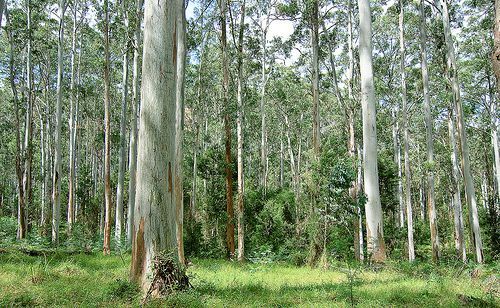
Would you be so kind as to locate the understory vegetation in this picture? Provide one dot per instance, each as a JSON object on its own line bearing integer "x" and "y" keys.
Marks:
{"x": 58, "y": 278}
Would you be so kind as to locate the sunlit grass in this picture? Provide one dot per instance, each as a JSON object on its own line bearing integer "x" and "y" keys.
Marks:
{"x": 95, "y": 280}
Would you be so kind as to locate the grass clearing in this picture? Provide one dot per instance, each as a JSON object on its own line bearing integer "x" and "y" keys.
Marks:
{"x": 92, "y": 280}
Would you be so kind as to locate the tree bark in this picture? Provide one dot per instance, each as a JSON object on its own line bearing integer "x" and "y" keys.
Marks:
{"x": 373, "y": 208}
{"x": 72, "y": 127}
{"x": 227, "y": 129}
{"x": 469, "y": 183}
{"x": 154, "y": 230}
{"x": 179, "y": 126}
{"x": 107, "y": 136}
{"x": 241, "y": 217}
{"x": 315, "y": 77}
{"x": 409, "y": 212}
{"x": 455, "y": 191}
{"x": 56, "y": 186}
{"x": 495, "y": 121}
{"x": 133, "y": 123}
{"x": 122, "y": 160}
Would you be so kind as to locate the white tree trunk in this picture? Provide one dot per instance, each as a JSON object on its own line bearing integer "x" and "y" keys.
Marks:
{"x": 133, "y": 123}
{"x": 456, "y": 199}
{"x": 179, "y": 126}
{"x": 122, "y": 159}
{"x": 373, "y": 208}
{"x": 409, "y": 211}
{"x": 154, "y": 229}
{"x": 56, "y": 186}
{"x": 469, "y": 183}
{"x": 315, "y": 77}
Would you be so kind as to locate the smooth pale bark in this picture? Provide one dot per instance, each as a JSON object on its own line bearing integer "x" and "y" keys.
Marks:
{"x": 239, "y": 124}
{"x": 154, "y": 228}
{"x": 56, "y": 183}
{"x": 409, "y": 212}
{"x": 21, "y": 224}
{"x": 107, "y": 135}
{"x": 72, "y": 127}
{"x": 315, "y": 76}
{"x": 133, "y": 122}
{"x": 464, "y": 147}
{"x": 495, "y": 121}
{"x": 227, "y": 129}
{"x": 431, "y": 208}
{"x": 373, "y": 208}
{"x": 263, "y": 128}
{"x": 122, "y": 159}
{"x": 455, "y": 190}
{"x": 179, "y": 126}
{"x": 28, "y": 135}
{"x": 397, "y": 162}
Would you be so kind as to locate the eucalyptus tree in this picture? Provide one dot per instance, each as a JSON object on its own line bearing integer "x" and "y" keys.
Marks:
{"x": 56, "y": 184}
{"x": 154, "y": 229}
{"x": 373, "y": 208}
{"x": 107, "y": 135}
{"x": 464, "y": 147}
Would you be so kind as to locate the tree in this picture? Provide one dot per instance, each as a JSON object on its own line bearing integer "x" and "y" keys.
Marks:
{"x": 179, "y": 125}
{"x": 373, "y": 208}
{"x": 154, "y": 230}
{"x": 227, "y": 129}
{"x": 56, "y": 186}
{"x": 409, "y": 213}
{"x": 431, "y": 208}
{"x": 133, "y": 122}
{"x": 123, "y": 119}
{"x": 107, "y": 136}
{"x": 464, "y": 147}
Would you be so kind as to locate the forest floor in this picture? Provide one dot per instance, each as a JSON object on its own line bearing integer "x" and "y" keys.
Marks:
{"x": 62, "y": 279}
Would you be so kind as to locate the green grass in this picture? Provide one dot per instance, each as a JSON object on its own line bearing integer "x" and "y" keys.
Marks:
{"x": 59, "y": 279}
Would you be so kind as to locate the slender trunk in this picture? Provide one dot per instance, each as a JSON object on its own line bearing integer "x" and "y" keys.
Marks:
{"x": 72, "y": 127}
{"x": 133, "y": 123}
{"x": 179, "y": 126}
{"x": 154, "y": 230}
{"x": 2, "y": 8}
{"x": 464, "y": 147}
{"x": 227, "y": 128}
{"x": 315, "y": 77}
{"x": 122, "y": 160}
{"x": 282, "y": 157}
{"x": 455, "y": 190}
{"x": 107, "y": 136}
{"x": 373, "y": 208}
{"x": 241, "y": 226}
{"x": 21, "y": 225}
{"x": 56, "y": 183}
{"x": 495, "y": 120}
{"x": 263, "y": 132}
{"x": 409, "y": 212}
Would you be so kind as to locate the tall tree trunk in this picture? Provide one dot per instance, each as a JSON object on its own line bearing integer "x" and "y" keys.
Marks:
{"x": 179, "y": 126}
{"x": 122, "y": 160}
{"x": 56, "y": 183}
{"x": 315, "y": 76}
{"x": 28, "y": 134}
{"x": 154, "y": 228}
{"x": 373, "y": 208}
{"x": 107, "y": 136}
{"x": 429, "y": 137}
{"x": 136, "y": 97}
{"x": 21, "y": 225}
{"x": 72, "y": 128}
{"x": 495, "y": 121}
{"x": 455, "y": 189}
{"x": 409, "y": 212}
{"x": 397, "y": 161}
{"x": 227, "y": 128}
{"x": 241, "y": 217}
{"x": 469, "y": 183}
{"x": 263, "y": 128}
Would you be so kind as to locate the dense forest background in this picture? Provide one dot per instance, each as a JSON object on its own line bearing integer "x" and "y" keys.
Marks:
{"x": 271, "y": 120}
